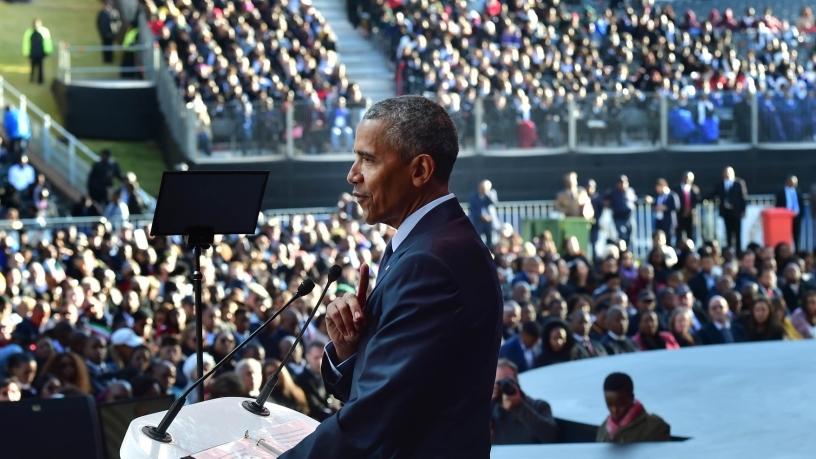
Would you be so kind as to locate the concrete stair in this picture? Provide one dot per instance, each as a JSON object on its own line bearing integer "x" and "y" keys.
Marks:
{"x": 365, "y": 63}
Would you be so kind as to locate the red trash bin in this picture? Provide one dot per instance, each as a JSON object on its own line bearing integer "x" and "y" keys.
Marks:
{"x": 777, "y": 226}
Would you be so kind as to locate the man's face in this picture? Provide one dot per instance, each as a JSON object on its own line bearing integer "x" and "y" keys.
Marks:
{"x": 717, "y": 310}
{"x": 618, "y": 404}
{"x": 529, "y": 340}
{"x": 313, "y": 358}
{"x": 582, "y": 324}
{"x": 96, "y": 350}
{"x": 381, "y": 180}
{"x": 617, "y": 323}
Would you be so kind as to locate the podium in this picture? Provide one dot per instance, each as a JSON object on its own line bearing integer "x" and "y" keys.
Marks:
{"x": 219, "y": 428}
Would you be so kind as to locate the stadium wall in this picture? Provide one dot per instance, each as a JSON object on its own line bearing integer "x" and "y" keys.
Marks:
{"x": 316, "y": 181}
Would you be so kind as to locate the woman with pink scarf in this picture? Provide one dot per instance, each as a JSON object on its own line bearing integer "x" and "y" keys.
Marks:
{"x": 628, "y": 421}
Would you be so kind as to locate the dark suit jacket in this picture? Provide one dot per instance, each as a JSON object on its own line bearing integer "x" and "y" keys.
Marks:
{"x": 421, "y": 381}
{"x": 581, "y": 351}
{"x": 699, "y": 287}
{"x": 512, "y": 351}
{"x": 709, "y": 334}
{"x": 734, "y": 201}
{"x": 669, "y": 221}
{"x": 782, "y": 200}
{"x": 694, "y": 196}
{"x": 614, "y": 346}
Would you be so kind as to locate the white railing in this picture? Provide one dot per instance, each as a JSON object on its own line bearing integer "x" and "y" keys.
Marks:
{"x": 66, "y": 154}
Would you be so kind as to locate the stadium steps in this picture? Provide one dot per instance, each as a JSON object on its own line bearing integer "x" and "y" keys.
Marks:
{"x": 365, "y": 64}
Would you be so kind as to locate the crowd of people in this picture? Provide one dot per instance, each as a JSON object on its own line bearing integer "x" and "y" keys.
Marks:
{"x": 238, "y": 63}
{"x": 529, "y": 60}
{"x": 106, "y": 311}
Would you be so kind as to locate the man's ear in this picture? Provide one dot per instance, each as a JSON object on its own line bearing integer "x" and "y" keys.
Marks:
{"x": 423, "y": 168}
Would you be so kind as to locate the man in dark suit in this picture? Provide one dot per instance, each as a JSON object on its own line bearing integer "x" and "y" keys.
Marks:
{"x": 665, "y": 207}
{"x": 790, "y": 198}
{"x": 689, "y": 197}
{"x": 311, "y": 381}
{"x": 721, "y": 330}
{"x": 615, "y": 340}
{"x": 414, "y": 363}
{"x": 733, "y": 196}
{"x": 703, "y": 283}
{"x": 585, "y": 347}
{"x": 523, "y": 349}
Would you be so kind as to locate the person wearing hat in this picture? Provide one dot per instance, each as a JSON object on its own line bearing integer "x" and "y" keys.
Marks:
{"x": 123, "y": 341}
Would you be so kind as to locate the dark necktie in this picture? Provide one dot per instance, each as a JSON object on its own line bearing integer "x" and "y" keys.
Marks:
{"x": 588, "y": 344}
{"x": 386, "y": 256}
{"x": 728, "y": 337}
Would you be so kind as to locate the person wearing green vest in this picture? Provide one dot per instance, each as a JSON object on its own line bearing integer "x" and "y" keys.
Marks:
{"x": 37, "y": 45}
{"x": 130, "y": 40}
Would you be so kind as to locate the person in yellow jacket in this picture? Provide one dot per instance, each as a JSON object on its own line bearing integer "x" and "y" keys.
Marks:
{"x": 129, "y": 42}
{"x": 37, "y": 45}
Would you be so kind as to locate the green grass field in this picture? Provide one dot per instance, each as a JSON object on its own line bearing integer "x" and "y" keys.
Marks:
{"x": 74, "y": 22}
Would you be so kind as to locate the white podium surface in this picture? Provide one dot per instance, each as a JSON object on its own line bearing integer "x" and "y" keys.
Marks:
{"x": 751, "y": 400}
{"x": 219, "y": 428}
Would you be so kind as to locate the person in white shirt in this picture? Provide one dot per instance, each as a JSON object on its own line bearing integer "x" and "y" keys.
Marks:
{"x": 21, "y": 175}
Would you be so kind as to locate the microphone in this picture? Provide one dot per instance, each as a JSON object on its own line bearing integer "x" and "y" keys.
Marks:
{"x": 257, "y": 407}
{"x": 159, "y": 433}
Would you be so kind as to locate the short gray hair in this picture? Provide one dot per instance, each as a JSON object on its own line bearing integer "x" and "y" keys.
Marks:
{"x": 415, "y": 125}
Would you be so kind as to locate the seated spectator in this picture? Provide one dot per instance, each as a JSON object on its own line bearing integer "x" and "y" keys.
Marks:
{"x": 286, "y": 392}
{"x": 615, "y": 340}
{"x": 250, "y": 372}
{"x": 628, "y": 421}
{"x": 804, "y": 317}
{"x": 311, "y": 381}
{"x": 100, "y": 371}
{"x": 680, "y": 327}
{"x": 557, "y": 343}
{"x": 524, "y": 349}
{"x": 761, "y": 324}
{"x": 22, "y": 368}
{"x": 164, "y": 373}
{"x": 648, "y": 338}
{"x": 9, "y": 390}
{"x": 517, "y": 418}
{"x": 225, "y": 385}
{"x": 721, "y": 330}
{"x": 70, "y": 370}
{"x": 779, "y": 310}
{"x": 585, "y": 347}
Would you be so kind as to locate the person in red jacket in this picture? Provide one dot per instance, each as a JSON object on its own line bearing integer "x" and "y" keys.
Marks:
{"x": 649, "y": 338}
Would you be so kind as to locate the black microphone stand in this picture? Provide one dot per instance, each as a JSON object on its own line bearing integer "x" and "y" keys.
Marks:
{"x": 159, "y": 433}
{"x": 257, "y": 406}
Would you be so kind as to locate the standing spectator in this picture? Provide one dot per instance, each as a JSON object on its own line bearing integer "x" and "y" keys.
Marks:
{"x": 342, "y": 133}
{"x": 108, "y": 24}
{"x": 517, "y": 418}
{"x": 689, "y": 197}
{"x": 573, "y": 200}
{"x": 21, "y": 175}
{"x": 17, "y": 127}
{"x": 622, "y": 200}
{"x": 37, "y": 45}
{"x": 130, "y": 41}
{"x": 666, "y": 205}
{"x": 100, "y": 179}
{"x": 733, "y": 196}
{"x": 628, "y": 421}
{"x": 790, "y": 198}
{"x": 483, "y": 212}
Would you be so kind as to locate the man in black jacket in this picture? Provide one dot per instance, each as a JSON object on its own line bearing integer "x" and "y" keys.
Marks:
{"x": 415, "y": 362}
{"x": 615, "y": 340}
{"x": 689, "y": 197}
{"x": 733, "y": 196}
{"x": 108, "y": 24}
{"x": 721, "y": 330}
{"x": 100, "y": 179}
{"x": 312, "y": 384}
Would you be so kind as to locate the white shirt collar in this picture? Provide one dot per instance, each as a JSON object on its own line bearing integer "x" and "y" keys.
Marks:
{"x": 408, "y": 225}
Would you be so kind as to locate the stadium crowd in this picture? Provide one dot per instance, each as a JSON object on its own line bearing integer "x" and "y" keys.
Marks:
{"x": 107, "y": 311}
{"x": 237, "y": 63}
{"x": 530, "y": 59}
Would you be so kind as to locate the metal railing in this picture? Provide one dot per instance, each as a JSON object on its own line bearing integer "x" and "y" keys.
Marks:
{"x": 69, "y": 70}
{"x": 707, "y": 223}
{"x": 66, "y": 154}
